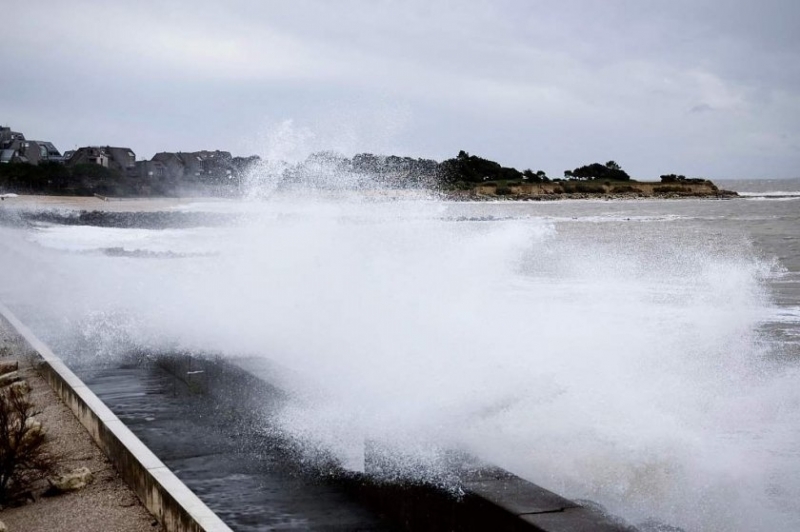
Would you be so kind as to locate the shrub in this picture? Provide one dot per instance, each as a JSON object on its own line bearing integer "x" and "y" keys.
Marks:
{"x": 583, "y": 187}
{"x": 624, "y": 189}
{"x": 666, "y": 189}
{"x": 23, "y": 458}
{"x": 610, "y": 171}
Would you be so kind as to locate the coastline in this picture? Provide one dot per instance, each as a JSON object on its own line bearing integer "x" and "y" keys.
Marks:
{"x": 606, "y": 190}
{"x": 483, "y": 193}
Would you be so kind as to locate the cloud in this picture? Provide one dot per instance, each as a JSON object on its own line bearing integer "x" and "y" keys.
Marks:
{"x": 701, "y": 108}
{"x": 545, "y": 84}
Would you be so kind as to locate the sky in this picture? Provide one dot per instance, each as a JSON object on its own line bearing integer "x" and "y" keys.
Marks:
{"x": 705, "y": 88}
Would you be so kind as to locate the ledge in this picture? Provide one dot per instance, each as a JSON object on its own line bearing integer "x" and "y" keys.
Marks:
{"x": 161, "y": 492}
{"x": 494, "y": 499}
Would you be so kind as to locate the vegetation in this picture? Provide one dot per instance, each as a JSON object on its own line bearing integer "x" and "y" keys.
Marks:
{"x": 401, "y": 172}
{"x": 671, "y": 189}
{"x": 473, "y": 169}
{"x": 610, "y": 171}
{"x": 23, "y": 458}
{"x": 88, "y": 179}
{"x": 682, "y": 179}
{"x": 325, "y": 170}
{"x": 583, "y": 188}
{"x": 466, "y": 169}
{"x": 672, "y": 178}
{"x": 624, "y": 189}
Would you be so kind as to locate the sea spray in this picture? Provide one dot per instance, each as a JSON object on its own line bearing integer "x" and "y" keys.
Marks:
{"x": 621, "y": 362}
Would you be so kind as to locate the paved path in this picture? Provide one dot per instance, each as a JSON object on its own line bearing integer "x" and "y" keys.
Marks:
{"x": 106, "y": 505}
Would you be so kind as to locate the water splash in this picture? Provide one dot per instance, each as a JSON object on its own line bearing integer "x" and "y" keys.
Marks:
{"x": 622, "y": 363}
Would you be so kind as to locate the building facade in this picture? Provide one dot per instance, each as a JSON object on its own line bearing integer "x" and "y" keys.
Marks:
{"x": 122, "y": 160}
{"x": 14, "y": 148}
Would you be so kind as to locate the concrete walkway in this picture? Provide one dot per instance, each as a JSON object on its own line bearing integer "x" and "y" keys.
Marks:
{"x": 105, "y": 505}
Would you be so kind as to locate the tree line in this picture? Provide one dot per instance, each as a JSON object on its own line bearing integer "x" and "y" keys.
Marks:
{"x": 324, "y": 169}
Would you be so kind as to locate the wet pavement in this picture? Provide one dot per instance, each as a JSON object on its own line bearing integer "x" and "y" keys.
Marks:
{"x": 216, "y": 451}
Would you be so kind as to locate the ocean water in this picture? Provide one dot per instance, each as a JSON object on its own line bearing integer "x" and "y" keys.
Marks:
{"x": 642, "y": 354}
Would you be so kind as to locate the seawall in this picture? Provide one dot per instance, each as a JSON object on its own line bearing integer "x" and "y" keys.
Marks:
{"x": 161, "y": 492}
{"x": 493, "y": 499}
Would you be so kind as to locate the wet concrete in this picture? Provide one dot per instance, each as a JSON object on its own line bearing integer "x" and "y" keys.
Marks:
{"x": 209, "y": 421}
{"x": 247, "y": 481}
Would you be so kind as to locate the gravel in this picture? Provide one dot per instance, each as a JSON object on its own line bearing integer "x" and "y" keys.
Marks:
{"x": 106, "y": 504}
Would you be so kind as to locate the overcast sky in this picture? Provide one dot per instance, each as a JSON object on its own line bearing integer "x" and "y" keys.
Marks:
{"x": 699, "y": 87}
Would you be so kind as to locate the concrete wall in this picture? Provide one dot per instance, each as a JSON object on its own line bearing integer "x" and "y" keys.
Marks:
{"x": 166, "y": 497}
{"x": 494, "y": 499}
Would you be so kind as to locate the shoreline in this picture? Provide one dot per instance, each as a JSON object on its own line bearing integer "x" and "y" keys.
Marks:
{"x": 24, "y": 202}
{"x": 581, "y": 196}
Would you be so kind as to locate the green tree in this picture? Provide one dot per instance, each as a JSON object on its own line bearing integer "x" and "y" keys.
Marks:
{"x": 611, "y": 171}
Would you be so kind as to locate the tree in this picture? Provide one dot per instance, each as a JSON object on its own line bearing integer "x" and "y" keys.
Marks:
{"x": 610, "y": 171}
{"x": 466, "y": 168}
{"x": 537, "y": 177}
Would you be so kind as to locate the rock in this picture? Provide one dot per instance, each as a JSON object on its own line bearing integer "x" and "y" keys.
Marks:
{"x": 75, "y": 480}
{"x": 128, "y": 502}
{"x": 33, "y": 431}
{"x": 8, "y": 366}
{"x": 20, "y": 386}
{"x": 9, "y": 378}
{"x": 3, "y": 527}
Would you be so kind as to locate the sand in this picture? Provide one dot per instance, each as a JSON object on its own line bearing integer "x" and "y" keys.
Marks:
{"x": 90, "y": 203}
{"x": 106, "y": 504}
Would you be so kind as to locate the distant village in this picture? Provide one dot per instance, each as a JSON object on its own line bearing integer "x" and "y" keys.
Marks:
{"x": 37, "y": 167}
{"x": 200, "y": 167}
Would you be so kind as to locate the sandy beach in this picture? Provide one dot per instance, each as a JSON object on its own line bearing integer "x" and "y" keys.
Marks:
{"x": 91, "y": 203}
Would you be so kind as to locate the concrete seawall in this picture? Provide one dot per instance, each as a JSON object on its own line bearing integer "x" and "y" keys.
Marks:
{"x": 494, "y": 499}
{"x": 161, "y": 492}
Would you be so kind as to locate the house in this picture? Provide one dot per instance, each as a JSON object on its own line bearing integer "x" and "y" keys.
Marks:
{"x": 171, "y": 164}
{"x": 8, "y": 137}
{"x": 151, "y": 169}
{"x": 38, "y": 151}
{"x": 123, "y": 160}
{"x": 201, "y": 165}
{"x": 15, "y": 148}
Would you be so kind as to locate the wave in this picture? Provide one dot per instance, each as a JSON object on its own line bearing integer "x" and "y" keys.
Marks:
{"x": 772, "y": 194}
{"x": 622, "y": 363}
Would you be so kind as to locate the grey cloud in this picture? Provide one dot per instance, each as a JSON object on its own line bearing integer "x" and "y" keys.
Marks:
{"x": 701, "y": 108}
{"x": 547, "y": 84}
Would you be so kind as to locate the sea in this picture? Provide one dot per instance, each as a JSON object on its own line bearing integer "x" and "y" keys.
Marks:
{"x": 640, "y": 354}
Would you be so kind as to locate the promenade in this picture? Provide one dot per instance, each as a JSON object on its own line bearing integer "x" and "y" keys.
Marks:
{"x": 106, "y": 504}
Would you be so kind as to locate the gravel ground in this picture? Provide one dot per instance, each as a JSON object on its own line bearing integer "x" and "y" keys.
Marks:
{"x": 105, "y": 505}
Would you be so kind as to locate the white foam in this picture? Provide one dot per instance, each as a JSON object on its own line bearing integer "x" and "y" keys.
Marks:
{"x": 624, "y": 367}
